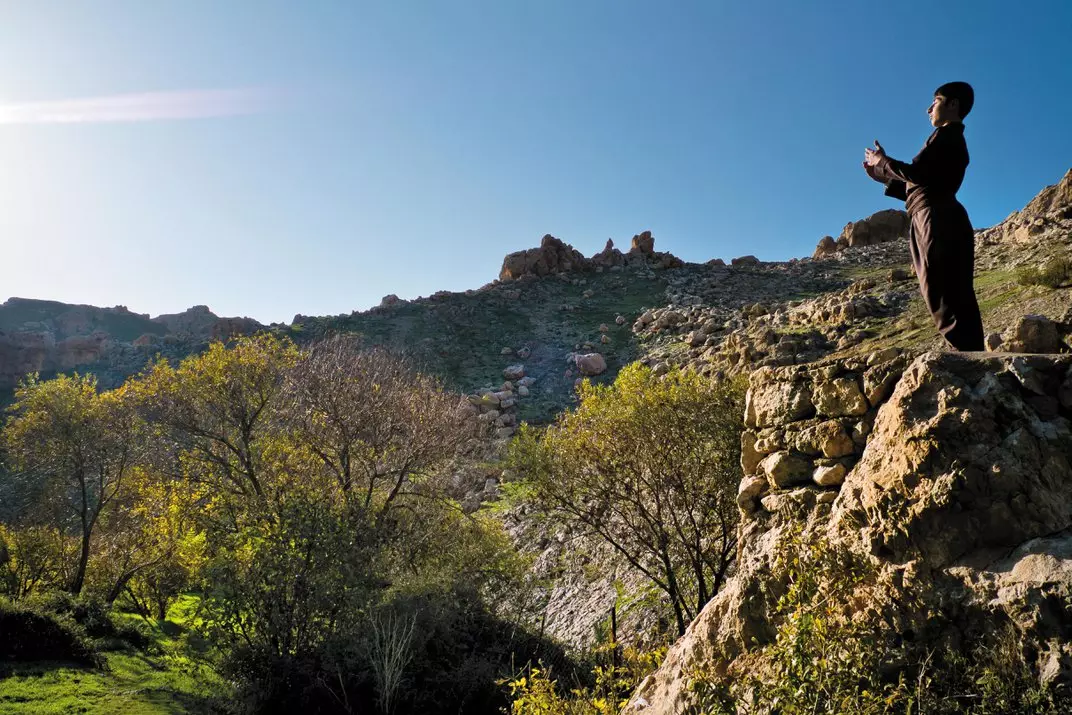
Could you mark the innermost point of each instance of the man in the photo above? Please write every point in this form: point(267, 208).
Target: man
point(941, 240)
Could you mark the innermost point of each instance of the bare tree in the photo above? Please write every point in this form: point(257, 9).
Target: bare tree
point(376, 424)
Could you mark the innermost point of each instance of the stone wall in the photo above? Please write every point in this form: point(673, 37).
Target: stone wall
point(808, 425)
point(957, 494)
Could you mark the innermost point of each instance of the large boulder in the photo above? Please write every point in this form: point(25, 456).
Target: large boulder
point(958, 506)
point(553, 256)
point(882, 227)
point(591, 364)
point(1032, 334)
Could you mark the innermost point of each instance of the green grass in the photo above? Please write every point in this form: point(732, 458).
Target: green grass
point(174, 676)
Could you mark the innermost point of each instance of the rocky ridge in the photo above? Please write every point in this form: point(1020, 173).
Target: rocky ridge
point(554, 256)
point(48, 337)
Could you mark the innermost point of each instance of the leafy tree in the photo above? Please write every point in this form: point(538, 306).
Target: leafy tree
point(651, 466)
point(38, 557)
point(217, 412)
point(377, 425)
point(149, 525)
point(77, 447)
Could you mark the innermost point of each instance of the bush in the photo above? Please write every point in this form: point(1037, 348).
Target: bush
point(1055, 274)
point(28, 633)
point(614, 676)
point(92, 615)
point(93, 619)
point(451, 661)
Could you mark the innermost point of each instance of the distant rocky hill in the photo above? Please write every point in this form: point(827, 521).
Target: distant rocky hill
point(552, 307)
point(49, 337)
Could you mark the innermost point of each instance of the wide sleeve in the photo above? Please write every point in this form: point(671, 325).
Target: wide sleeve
point(896, 189)
point(933, 167)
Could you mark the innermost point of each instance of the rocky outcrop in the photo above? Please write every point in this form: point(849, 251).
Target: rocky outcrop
point(48, 336)
point(553, 256)
point(1052, 206)
point(881, 227)
point(956, 493)
point(556, 257)
point(197, 320)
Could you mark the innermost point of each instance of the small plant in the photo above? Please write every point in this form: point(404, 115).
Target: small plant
point(1054, 274)
point(536, 692)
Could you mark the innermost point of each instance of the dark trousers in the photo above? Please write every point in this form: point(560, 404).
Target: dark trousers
point(942, 244)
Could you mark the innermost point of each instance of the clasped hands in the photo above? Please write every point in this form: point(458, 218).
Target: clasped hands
point(871, 159)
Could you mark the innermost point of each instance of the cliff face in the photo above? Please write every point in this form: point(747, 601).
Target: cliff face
point(48, 336)
point(950, 475)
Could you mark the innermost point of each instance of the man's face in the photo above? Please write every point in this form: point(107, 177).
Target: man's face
point(943, 110)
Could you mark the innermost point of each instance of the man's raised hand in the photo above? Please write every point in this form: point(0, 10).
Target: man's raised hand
point(874, 156)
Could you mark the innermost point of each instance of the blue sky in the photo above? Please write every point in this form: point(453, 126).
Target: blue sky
point(406, 146)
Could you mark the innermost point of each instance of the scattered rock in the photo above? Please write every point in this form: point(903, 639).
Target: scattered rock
point(591, 364)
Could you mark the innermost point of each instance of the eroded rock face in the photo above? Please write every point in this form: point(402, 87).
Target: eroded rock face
point(958, 495)
point(556, 257)
point(881, 227)
point(553, 256)
point(48, 336)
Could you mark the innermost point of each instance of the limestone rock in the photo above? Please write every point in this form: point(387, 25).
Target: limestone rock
point(514, 372)
point(839, 398)
point(784, 470)
point(960, 501)
point(827, 247)
point(1032, 334)
point(749, 490)
point(827, 439)
point(643, 244)
point(829, 476)
point(774, 403)
point(553, 256)
point(591, 364)
point(750, 457)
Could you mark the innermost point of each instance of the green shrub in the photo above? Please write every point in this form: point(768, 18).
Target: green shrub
point(28, 633)
point(1054, 274)
point(615, 675)
point(91, 614)
point(93, 618)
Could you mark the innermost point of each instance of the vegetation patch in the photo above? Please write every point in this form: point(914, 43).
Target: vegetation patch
point(1056, 273)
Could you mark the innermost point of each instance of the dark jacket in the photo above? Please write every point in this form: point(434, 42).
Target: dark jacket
point(935, 174)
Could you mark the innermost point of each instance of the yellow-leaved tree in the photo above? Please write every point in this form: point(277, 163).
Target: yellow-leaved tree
point(650, 465)
point(72, 449)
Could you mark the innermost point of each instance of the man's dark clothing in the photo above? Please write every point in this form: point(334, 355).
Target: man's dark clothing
point(941, 239)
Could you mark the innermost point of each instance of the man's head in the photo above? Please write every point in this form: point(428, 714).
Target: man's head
point(952, 102)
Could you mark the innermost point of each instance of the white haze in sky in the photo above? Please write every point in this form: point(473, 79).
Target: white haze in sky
point(142, 107)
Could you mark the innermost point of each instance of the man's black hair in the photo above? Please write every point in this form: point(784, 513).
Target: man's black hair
point(960, 91)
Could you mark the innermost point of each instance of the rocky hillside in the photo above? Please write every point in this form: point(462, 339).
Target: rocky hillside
point(49, 337)
point(551, 307)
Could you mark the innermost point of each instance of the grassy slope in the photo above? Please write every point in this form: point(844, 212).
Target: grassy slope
point(459, 337)
point(175, 676)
